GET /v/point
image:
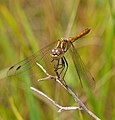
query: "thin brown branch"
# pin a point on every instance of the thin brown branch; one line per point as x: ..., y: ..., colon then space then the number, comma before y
x: 61, y: 108
x: 63, y: 84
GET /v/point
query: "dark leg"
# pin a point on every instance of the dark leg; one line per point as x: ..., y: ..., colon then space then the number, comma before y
x: 65, y: 62
x: 60, y: 65
x: 56, y: 66
x: 63, y: 65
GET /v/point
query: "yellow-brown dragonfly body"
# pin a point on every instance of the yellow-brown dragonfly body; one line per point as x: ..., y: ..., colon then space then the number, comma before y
x: 58, y: 58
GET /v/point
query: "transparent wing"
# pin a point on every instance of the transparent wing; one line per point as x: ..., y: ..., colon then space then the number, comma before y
x: 84, y: 75
x: 29, y: 62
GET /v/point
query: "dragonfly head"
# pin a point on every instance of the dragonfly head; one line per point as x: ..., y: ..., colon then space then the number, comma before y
x: 56, y: 53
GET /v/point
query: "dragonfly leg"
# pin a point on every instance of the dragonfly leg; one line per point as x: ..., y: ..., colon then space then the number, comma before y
x: 61, y: 64
x: 56, y: 66
x: 65, y: 63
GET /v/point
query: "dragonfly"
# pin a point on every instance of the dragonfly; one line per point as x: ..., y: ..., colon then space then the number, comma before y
x: 58, y: 59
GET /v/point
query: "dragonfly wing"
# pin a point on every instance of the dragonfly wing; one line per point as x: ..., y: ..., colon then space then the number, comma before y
x: 82, y: 71
x: 29, y: 62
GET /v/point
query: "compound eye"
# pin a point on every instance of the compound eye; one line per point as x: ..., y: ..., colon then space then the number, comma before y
x: 57, y: 51
x: 53, y: 50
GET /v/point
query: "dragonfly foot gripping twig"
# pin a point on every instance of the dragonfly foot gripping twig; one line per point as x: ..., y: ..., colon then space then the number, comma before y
x: 63, y: 84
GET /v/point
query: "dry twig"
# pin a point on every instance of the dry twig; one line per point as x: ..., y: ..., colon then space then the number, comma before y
x: 63, y: 84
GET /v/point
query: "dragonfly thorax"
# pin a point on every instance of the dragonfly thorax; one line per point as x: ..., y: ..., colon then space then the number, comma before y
x: 57, y: 53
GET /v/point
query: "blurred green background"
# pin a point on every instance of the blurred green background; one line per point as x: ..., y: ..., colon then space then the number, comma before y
x: 28, y: 25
